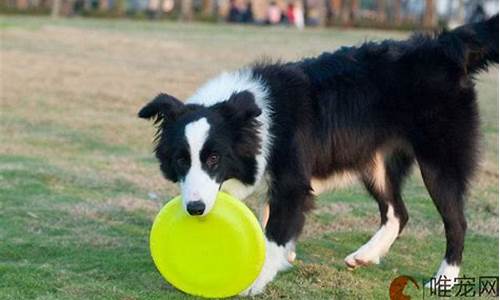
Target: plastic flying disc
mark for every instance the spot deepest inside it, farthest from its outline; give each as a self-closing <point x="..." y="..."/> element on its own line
<point x="217" y="255"/>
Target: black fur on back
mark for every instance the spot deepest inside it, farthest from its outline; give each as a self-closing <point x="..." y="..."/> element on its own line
<point x="414" y="98"/>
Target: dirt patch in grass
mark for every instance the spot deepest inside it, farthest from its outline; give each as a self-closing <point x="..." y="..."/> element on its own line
<point x="317" y="281"/>
<point x="321" y="276"/>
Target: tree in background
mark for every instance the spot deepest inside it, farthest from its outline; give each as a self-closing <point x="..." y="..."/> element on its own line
<point x="56" y="8"/>
<point x="348" y="11"/>
<point x="208" y="8"/>
<point x="353" y="10"/>
<point x="397" y="12"/>
<point x="430" y="18"/>
<point x="186" y="10"/>
<point x="381" y="10"/>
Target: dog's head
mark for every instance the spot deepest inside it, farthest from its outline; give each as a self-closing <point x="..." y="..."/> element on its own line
<point x="201" y="147"/>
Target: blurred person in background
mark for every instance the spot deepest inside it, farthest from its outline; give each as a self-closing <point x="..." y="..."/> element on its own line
<point x="78" y="7"/>
<point x="154" y="10"/>
<point x="248" y="13"/>
<point x="274" y="14"/>
<point x="298" y="15"/>
<point x="235" y="14"/>
<point x="314" y="11"/>
<point x="290" y="13"/>
<point x="295" y="14"/>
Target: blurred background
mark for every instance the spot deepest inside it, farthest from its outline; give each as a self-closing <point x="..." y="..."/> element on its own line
<point x="401" y="14"/>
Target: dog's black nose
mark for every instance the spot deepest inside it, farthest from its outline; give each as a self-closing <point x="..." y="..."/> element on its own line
<point x="195" y="208"/>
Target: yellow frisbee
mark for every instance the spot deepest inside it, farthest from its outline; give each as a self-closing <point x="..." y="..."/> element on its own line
<point x="217" y="255"/>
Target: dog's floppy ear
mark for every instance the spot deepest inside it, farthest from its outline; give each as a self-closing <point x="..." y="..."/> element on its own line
<point x="240" y="106"/>
<point x="240" y="112"/>
<point x="162" y="107"/>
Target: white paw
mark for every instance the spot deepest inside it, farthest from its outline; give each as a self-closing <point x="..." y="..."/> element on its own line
<point x="378" y="246"/>
<point x="276" y="260"/>
<point x="445" y="277"/>
<point x="362" y="257"/>
<point x="259" y="284"/>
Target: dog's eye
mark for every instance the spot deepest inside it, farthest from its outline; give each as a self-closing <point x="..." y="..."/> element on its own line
<point x="212" y="160"/>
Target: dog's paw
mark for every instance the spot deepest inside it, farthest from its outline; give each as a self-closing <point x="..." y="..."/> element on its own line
<point x="257" y="287"/>
<point x="362" y="258"/>
<point x="266" y="275"/>
<point x="277" y="259"/>
<point x="445" y="277"/>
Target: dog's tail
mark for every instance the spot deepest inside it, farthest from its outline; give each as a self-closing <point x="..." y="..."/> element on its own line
<point x="474" y="46"/>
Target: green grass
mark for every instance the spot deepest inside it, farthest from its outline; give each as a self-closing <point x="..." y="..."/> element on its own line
<point x="76" y="165"/>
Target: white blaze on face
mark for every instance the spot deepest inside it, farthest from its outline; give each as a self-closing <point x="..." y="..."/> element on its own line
<point x="197" y="185"/>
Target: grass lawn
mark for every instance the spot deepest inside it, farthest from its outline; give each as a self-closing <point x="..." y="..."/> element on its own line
<point x="79" y="186"/>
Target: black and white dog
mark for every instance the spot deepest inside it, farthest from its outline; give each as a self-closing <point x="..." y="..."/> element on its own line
<point x="302" y="128"/>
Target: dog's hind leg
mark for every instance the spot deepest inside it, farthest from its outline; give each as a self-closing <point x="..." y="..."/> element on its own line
<point x="383" y="181"/>
<point x="446" y="148"/>
<point x="447" y="192"/>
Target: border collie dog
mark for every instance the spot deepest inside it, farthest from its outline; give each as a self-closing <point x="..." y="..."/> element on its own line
<point x="302" y="128"/>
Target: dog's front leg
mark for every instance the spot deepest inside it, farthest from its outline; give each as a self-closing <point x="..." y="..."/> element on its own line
<point x="289" y="200"/>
